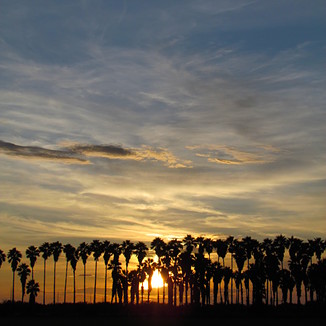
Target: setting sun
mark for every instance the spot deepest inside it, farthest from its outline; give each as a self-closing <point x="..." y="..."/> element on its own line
<point x="157" y="281"/>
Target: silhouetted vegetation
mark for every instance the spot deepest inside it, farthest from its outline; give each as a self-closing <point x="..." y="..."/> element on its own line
<point x="193" y="270"/>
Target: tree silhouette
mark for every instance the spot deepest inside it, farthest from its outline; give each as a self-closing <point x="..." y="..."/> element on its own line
<point x="280" y="244"/>
<point x="33" y="289"/>
<point x="56" y="250"/>
<point x="69" y="250"/>
<point x="174" y="248"/>
<point x="14" y="257"/>
<point x="96" y="247"/>
<point x="2" y="257"/>
<point x="32" y="253"/>
<point x="46" y="253"/>
<point x="73" y="263"/>
<point x="107" y="253"/>
<point x="84" y="251"/>
<point x="140" y="252"/>
<point x="23" y="272"/>
<point x="159" y="247"/>
<point x="127" y="250"/>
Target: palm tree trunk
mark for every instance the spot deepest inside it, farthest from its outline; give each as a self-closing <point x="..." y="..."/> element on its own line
<point x="13" y="287"/>
<point x="65" y="289"/>
<point x="94" y="300"/>
<point x="105" y="282"/>
<point x="74" y="286"/>
<point x="54" y="272"/>
<point x="231" y="278"/>
<point x="33" y="273"/>
<point x="84" y="283"/>
<point x="163" y="292"/>
<point x="44" y="272"/>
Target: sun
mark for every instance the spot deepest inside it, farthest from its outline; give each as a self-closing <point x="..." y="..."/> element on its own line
<point x="157" y="281"/>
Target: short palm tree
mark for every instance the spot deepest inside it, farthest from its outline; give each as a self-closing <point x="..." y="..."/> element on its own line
<point x="23" y="271"/>
<point x="32" y="253"/>
<point x="33" y="288"/>
<point x="46" y="253"/>
<point x="97" y="249"/>
<point x="56" y="249"/>
<point x="14" y="257"/>
<point x="84" y="251"/>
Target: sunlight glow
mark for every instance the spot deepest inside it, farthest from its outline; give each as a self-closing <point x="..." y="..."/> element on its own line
<point x="157" y="281"/>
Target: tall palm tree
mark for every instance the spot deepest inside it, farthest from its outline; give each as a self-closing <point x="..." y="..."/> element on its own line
<point x="97" y="249"/>
<point x="240" y="255"/>
<point x="159" y="247"/>
<point x="84" y="251"/>
<point x="56" y="250"/>
<point x="107" y="253"/>
<point x="14" y="257"/>
<point x="127" y="250"/>
<point x="32" y="289"/>
<point x="140" y="252"/>
<point x="174" y="247"/>
<point x="73" y="263"/>
<point x="69" y="251"/>
<point x="230" y="248"/>
<point x="23" y="271"/>
<point x="45" y="249"/>
<point x="32" y="253"/>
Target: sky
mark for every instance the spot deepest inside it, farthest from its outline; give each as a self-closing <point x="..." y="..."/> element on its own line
<point x="136" y="119"/>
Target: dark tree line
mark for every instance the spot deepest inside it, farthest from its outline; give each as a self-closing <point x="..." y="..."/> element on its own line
<point x="193" y="270"/>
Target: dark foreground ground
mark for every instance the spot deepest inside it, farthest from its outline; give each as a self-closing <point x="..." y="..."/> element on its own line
<point x="159" y="315"/>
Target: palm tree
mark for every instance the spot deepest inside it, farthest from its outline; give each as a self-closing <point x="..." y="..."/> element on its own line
<point x="230" y="248"/>
<point x="46" y="253"/>
<point x="107" y="253"/>
<point x="217" y="279"/>
<point x="2" y="257"/>
<point x="56" y="249"/>
<point x="280" y="244"/>
<point x="140" y="252"/>
<point x="96" y="247"/>
<point x="69" y="250"/>
<point x="227" y="275"/>
<point x="14" y="257"/>
<point x="23" y="271"/>
<point x="73" y="263"/>
<point x="317" y="246"/>
<point x="32" y="289"/>
<point x="84" y="251"/>
<point x="174" y="247"/>
<point x="32" y="253"/>
<point x="159" y="247"/>
<point x="127" y="250"/>
<point x="221" y="247"/>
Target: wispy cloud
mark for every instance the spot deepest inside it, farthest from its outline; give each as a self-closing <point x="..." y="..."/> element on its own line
<point x="34" y="152"/>
<point x="231" y="155"/>
<point x="80" y="154"/>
